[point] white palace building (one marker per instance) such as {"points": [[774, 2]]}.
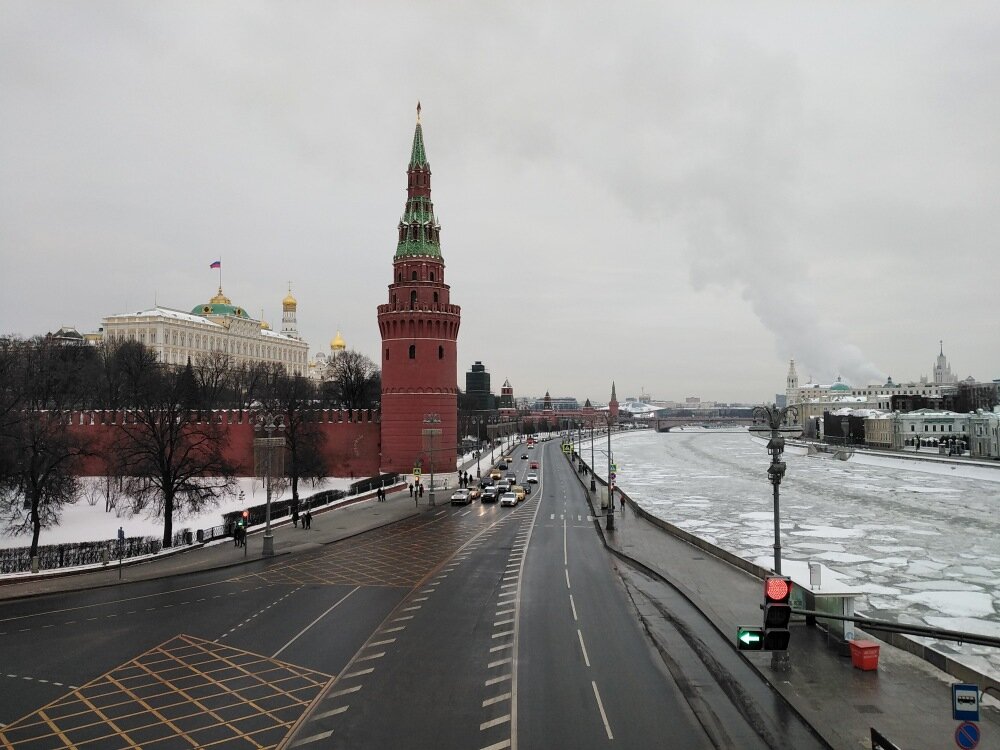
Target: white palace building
{"points": [[215, 326]]}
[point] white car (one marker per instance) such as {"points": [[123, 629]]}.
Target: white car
{"points": [[508, 498], [532, 478], [461, 497]]}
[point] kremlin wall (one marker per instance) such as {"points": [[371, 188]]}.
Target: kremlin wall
{"points": [[350, 445]]}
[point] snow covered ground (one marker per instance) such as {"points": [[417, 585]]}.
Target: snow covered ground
{"points": [[923, 540], [83, 522]]}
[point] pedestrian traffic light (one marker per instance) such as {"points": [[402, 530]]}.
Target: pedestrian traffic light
{"points": [[777, 612]]}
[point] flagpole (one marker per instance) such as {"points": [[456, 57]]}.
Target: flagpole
{"points": [[220, 272]]}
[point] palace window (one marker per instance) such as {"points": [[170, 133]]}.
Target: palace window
{"points": [[413, 351], [440, 352]]}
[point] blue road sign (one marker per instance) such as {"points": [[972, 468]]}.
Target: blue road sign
{"points": [[964, 702], [967, 735]]}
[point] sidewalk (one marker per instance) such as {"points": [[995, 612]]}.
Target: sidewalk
{"points": [[328, 525], [907, 699]]}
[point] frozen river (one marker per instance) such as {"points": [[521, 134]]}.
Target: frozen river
{"points": [[924, 546]]}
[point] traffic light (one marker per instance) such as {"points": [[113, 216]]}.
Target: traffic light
{"points": [[246, 518], [777, 612]]}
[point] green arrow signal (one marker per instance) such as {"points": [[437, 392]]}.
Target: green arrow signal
{"points": [[749, 639]]}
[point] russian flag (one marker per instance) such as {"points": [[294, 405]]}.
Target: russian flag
{"points": [[216, 264]]}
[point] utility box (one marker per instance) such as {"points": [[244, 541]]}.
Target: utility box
{"points": [[864, 655]]}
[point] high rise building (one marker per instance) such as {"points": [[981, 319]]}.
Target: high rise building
{"points": [[419, 329]]}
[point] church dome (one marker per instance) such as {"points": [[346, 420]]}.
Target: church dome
{"points": [[265, 326], [840, 387], [289, 302], [337, 343]]}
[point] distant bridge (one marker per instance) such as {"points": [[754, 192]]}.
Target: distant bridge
{"points": [[665, 424]]}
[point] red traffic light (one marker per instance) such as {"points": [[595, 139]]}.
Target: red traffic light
{"points": [[777, 589]]}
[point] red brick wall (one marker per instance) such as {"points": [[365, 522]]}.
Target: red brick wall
{"points": [[351, 445]]}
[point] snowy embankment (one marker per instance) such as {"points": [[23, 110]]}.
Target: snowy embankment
{"points": [[87, 521]]}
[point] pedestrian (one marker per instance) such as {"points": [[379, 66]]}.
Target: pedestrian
{"points": [[243, 536], [421, 490], [621, 502], [236, 535], [295, 516], [307, 519], [410, 485]]}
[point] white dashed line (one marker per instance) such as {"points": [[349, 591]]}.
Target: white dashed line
{"points": [[572, 604], [359, 673], [497, 680], [583, 648], [326, 714], [494, 722], [503, 634], [345, 691], [313, 738], [604, 716], [499, 662], [496, 699], [386, 642]]}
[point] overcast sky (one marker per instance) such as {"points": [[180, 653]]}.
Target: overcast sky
{"points": [[677, 196]]}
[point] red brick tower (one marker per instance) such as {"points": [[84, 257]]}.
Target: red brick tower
{"points": [[419, 328]]}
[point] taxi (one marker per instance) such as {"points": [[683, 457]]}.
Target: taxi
{"points": [[519, 491], [495, 473]]}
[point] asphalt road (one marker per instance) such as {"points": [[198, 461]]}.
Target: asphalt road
{"points": [[464, 627]]}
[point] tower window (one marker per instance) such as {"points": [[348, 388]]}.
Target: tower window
{"points": [[432, 276], [413, 351], [435, 297], [414, 276], [387, 352], [440, 352], [413, 298]]}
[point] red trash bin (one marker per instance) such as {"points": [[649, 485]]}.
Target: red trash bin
{"points": [[864, 655]]}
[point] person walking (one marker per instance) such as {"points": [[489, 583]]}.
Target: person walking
{"points": [[295, 516], [621, 502], [421, 490], [410, 485], [307, 519]]}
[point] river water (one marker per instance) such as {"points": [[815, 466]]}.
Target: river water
{"points": [[924, 546]]}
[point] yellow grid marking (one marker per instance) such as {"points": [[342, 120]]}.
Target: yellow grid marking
{"points": [[184, 693]]}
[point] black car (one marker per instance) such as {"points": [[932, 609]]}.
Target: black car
{"points": [[501, 466], [524, 456], [490, 495]]}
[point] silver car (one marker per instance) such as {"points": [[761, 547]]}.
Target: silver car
{"points": [[508, 498]]}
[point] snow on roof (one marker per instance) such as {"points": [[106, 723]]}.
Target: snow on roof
{"points": [[166, 312]]}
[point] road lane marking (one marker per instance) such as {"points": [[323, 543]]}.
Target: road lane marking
{"points": [[345, 691], [503, 622], [503, 634], [567, 578], [314, 621], [604, 716], [583, 647], [379, 655], [410, 609], [501, 648], [572, 604], [496, 699], [394, 630], [500, 662], [494, 722], [359, 673], [504, 611], [327, 714], [498, 746], [565, 550], [497, 680], [508, 585], [313, 738], [404, 618]]}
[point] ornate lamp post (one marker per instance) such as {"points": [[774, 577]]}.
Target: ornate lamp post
{"points": [[268, 423], [773, 418], [593, 481], [430, 433]]}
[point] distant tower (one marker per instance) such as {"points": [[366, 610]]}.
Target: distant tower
{"points": [[337, 346], [791, 384], [613, 403], [419, 328], [288, 306], [942, 370]]}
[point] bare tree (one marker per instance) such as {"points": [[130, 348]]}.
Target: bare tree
{"points": [[354, 382], [41, 458], [213, 372], [172, 460], [293, 396]]}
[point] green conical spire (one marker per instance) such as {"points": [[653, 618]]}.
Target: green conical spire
{"points": [[419, 232], [418, 157]]}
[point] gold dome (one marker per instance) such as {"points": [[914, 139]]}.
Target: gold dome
{"points": [[338, 344], [220, 299], [289, 302], [265, 326]]}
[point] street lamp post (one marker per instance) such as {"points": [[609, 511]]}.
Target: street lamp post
{"points": [[773, 417], [593, 481], [610, 525], [268, 424], [431, 433]]}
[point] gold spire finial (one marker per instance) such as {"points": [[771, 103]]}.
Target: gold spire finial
{"points": [[418, 111]]}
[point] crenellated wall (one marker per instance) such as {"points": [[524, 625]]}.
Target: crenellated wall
{"points": [[351, 446]]}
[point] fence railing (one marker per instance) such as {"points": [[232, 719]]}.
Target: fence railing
{"points": [[18, 559]]}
